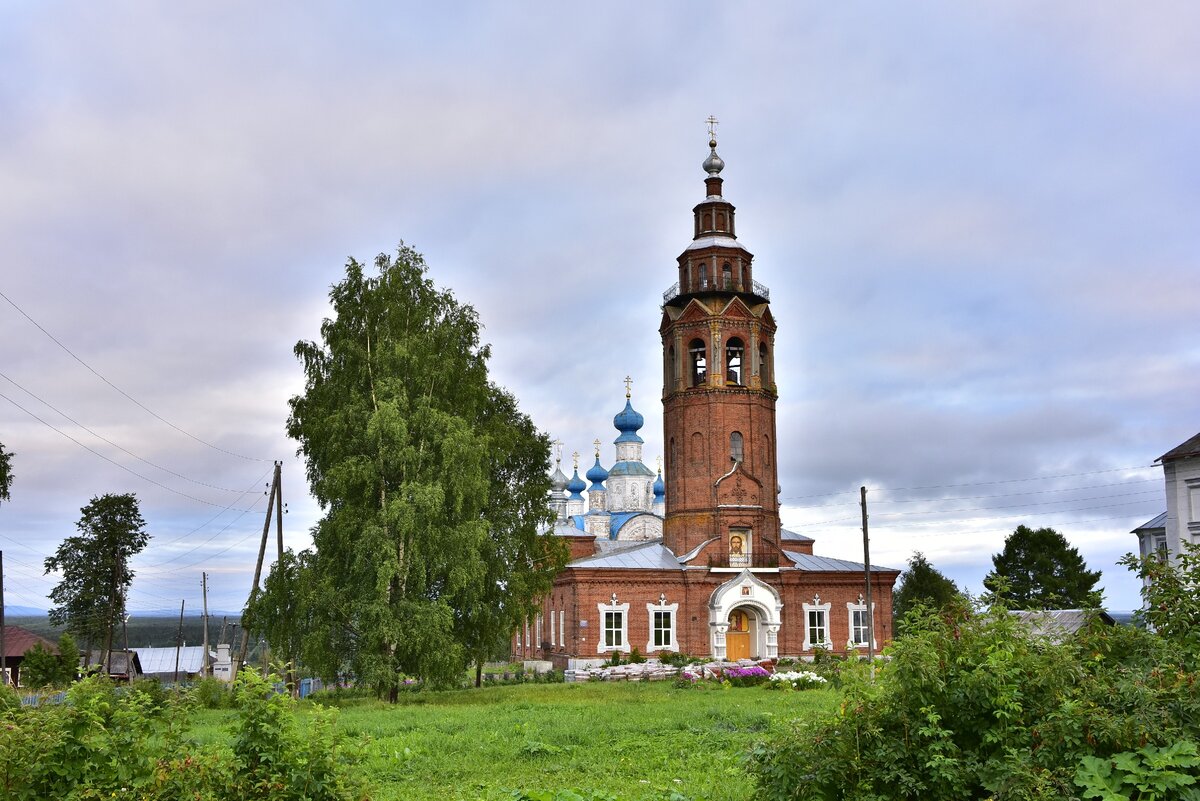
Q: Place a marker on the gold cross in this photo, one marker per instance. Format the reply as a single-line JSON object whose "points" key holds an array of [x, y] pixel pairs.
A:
{"points": [[575, 456], [712, 127], [558, 443], [628, 383], [596, 442]]}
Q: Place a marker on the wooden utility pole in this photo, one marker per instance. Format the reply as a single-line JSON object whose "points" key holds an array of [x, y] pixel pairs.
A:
{"points": [[867, 571], [128, 653], [3, 653], [179, 640], [112, 622], [205, 667], [262, 550]]}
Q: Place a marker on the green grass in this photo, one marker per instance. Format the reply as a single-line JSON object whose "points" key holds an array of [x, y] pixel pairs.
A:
{"points": [[637, 741]]}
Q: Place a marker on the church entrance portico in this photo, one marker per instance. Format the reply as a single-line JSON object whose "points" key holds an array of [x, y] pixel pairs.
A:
{"points": [[743, 619]]}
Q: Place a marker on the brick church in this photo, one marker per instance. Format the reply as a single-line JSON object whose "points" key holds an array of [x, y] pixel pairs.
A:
{"points": [[699, 563]]}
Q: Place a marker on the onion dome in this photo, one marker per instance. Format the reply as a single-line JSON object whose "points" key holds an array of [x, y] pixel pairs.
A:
{"points": [[660, 489], [713, 164], [628, 421], [597, 475], [576, 486], [558, 480]]}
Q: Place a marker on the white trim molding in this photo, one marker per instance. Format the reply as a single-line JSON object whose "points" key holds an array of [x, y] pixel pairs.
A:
{"points": [[748, 591], [816, 606], [851, 608], [662, 606], [623, 609]]}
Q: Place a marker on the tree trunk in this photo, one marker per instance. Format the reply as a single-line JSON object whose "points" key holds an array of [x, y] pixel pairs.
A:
{"points": [[478, 673]]}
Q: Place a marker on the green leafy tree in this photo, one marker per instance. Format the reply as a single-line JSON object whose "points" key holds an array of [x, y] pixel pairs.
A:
{"points": [[1170, 602], [1038, 569], [6, 473], [43, 667], [90, 597], [922, 584], [407, 445]]}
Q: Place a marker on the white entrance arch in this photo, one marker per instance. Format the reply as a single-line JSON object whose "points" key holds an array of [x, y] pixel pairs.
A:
{"points": [[746, 591]]}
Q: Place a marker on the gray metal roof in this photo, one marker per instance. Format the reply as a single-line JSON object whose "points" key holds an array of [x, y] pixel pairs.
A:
{"points": [[825, 564], [793, 536], [1057, 624], [651, 555], [1158, 522], [715, 241], [162, 660]]}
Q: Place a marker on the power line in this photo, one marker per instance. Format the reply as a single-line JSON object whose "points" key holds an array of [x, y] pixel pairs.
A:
{"points": [[983, 497], [136, 402], [110, 442], [105, 458]]}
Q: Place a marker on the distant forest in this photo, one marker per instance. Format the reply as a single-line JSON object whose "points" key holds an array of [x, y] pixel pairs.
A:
{"points": [[145, 632]]}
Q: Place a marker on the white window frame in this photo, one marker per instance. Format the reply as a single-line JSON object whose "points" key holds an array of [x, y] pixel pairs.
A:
{"points": [[606, 609], [552, 639], [673, 611], [562, 628], [851, 608], [808, 643]]}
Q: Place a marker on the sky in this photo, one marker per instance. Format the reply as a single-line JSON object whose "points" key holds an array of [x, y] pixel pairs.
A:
{"points": [[978, 224]]}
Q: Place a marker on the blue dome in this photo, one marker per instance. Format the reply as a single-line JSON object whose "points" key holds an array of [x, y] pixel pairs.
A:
{"points": [[628, 422], [575, 486], [597, 475], [660, 489]]}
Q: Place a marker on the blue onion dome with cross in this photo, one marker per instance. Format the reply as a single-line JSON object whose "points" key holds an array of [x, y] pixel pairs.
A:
{"points": [[630, 482]]}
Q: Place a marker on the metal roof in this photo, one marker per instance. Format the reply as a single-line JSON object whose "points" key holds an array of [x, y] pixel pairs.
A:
{"points": [[162, 660], [1158, 522], [825, 564], [651, 555], [1186, 449], [793, 536]]}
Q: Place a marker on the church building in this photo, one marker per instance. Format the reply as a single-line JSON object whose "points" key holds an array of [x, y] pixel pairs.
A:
{"points": [[692, 558]]}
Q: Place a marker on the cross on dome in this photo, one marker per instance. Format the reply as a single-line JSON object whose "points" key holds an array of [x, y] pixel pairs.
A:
{"points": [[628, 383]]}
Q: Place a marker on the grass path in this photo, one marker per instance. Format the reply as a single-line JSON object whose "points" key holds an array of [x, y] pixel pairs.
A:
{"points": [[637, 741]]}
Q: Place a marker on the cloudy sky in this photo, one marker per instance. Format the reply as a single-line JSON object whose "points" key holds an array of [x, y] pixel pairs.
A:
{"points": [[978, 223]]}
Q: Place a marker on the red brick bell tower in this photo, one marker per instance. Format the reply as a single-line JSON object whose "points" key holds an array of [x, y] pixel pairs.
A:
{"points": [[718, 339]]}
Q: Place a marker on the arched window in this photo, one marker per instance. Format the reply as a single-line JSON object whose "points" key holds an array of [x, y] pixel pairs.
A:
{"points": [[737, 450], [734, 356], [671, 369], [698, 353], [727, 277], [764, 367], [707, 221], [704, 276], [672, 458], [720, 221]]}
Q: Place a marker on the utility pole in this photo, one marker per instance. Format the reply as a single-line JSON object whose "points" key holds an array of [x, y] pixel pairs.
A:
{"points": [[3, 653], [262, 549], [179, 640], [205, 669], [867, 571], [128, 653]]}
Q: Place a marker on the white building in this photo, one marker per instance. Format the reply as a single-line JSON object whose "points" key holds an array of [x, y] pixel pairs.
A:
{"points": [[1180, 524]]}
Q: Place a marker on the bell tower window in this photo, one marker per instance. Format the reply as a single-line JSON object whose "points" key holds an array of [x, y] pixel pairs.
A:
{"points": [[671, 369], [727, 276], [764, 371], [734, 353], [704, 276], [698, 353], [737, 447]]}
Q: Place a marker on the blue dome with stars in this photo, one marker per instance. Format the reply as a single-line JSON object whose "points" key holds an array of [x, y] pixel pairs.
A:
{"points": [[628, 421]]}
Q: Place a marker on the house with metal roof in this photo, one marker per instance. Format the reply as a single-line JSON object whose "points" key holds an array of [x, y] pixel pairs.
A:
{"points": [[1165, 534]]}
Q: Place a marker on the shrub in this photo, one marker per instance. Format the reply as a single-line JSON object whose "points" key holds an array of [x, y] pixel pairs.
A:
{"points": [[635, 656], [212, 693], [971, 705], [675, 659], [798, 679]]}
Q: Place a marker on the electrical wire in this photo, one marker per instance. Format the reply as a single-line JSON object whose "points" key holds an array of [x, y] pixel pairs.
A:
{"points": [[136, 402]]}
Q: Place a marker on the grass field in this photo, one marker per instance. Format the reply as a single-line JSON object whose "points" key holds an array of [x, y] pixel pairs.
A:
{"points": [[635, 741]]}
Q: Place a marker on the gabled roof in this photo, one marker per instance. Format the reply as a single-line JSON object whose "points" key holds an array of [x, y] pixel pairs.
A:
{"points": [[1157, 522], [825, 564], [793, 536], [118, 662], [652, 555], [1058, 624], [1183, 451], [162, 660], [18, 640]]}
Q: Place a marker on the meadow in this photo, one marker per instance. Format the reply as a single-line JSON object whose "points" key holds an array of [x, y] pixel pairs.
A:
{"points": [[628, 741]]}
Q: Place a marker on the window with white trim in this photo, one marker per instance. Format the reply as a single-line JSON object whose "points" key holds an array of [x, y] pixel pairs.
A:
{"points": [[537, 643], [562, 627], [662, 616], [1160, 547], [614, 626], [553, 641], [857, 614], [816, 625]]}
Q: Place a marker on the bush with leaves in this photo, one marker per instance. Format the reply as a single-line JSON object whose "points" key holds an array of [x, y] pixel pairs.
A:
{"points": [[973, 705], [105, 743]]}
